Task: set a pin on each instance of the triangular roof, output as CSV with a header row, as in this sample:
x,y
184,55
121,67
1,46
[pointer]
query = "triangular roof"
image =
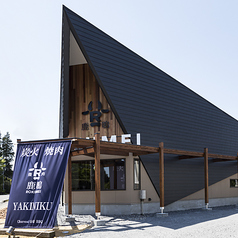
x,y
147,100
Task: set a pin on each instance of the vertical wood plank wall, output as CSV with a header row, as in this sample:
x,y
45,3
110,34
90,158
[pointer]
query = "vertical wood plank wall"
x,y
84,89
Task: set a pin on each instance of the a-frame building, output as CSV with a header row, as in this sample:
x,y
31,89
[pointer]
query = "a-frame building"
x,y
107,88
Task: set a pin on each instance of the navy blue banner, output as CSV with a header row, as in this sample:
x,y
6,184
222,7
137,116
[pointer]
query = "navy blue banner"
x,y
37,183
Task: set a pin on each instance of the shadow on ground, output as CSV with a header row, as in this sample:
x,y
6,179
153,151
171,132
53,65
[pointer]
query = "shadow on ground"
x,y
175,220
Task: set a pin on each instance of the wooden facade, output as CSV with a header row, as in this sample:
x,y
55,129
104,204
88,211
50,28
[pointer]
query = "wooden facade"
x,y
83,89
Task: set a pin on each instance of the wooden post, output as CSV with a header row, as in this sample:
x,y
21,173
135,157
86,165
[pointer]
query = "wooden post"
x,y
97,176
206,176
69,185
161,175
237,164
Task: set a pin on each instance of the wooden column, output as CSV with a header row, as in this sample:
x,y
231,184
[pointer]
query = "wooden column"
x,y
161,175
69,185
237,163
206,176
97,175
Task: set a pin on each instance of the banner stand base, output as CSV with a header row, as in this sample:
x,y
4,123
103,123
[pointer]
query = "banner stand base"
x,y
98,223
70,219
29,232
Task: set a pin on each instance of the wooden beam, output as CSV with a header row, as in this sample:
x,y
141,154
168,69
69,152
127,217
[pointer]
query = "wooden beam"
x,y
137,153
79,143
224,157
40,141
192,154
187,157
183,152
97,175
128,147
113,152
161,174
83,151
112,147
206,175
76,146
69,185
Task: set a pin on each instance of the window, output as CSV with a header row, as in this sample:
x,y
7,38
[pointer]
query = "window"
x,y
136,174
113,176
83,176
234,183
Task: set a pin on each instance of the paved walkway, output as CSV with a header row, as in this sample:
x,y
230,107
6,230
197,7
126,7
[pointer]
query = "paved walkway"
x,y
221,222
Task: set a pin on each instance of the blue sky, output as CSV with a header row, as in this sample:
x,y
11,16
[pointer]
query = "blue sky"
x,y
193,41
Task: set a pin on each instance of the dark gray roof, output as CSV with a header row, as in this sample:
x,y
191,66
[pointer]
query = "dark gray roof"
x,y
149,101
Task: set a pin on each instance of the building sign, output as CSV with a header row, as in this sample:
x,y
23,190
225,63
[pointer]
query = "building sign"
x,y
95,116
37,183
125,138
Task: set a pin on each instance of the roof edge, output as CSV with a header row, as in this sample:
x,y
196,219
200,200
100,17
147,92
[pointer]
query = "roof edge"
x,y
92,67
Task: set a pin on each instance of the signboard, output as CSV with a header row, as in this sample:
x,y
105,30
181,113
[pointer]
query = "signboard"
x,y
37,183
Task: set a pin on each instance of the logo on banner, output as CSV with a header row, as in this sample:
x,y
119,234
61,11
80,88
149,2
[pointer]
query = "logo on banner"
x,y
35,172
38,169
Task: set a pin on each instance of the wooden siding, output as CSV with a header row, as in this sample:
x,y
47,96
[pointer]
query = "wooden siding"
x,y
83,89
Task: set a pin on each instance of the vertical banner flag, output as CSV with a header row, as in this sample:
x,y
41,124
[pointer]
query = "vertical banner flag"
x,y
37,183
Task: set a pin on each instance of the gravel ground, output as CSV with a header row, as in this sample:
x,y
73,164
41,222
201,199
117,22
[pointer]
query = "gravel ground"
x,y
220,222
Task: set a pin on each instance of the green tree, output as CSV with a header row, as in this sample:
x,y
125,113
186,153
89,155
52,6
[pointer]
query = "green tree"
x,y
0,145
7,155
